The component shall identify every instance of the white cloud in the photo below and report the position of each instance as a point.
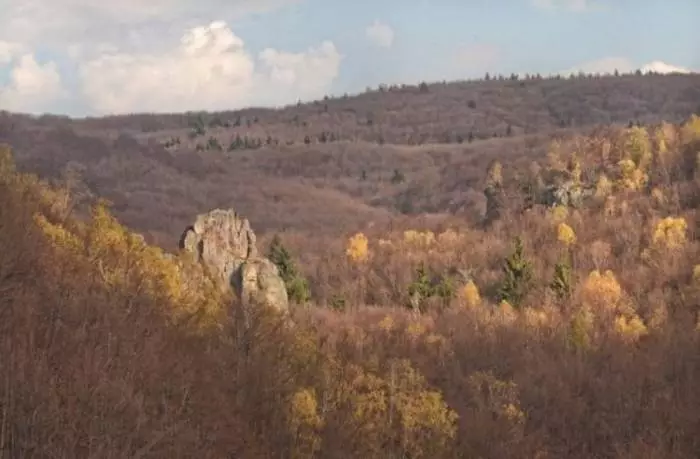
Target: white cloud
(210, 69)
(608, 65)
(8, 51)
(66, 22)
(663, 67)
(379, 34)
(33, 87)
(571, 5)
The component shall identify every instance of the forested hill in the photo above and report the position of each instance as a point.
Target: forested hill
(371, 159)
(520, 296)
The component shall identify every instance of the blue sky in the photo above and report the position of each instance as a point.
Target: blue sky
(126, 56)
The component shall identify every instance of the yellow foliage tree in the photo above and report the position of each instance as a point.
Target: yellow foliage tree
(661, 144)
(419, 238)
(393, 409)
(638, 147)
(670, 233)
(358, 248)
(631, 177)
(566, 234)
(691, 129)
(123, 260)
(630, 327)
(428, 424)
(368, 397)
(304, 424)
(601, 292)
(386, 324)
(470, 295)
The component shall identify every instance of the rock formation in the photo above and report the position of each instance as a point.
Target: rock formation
(223, 241)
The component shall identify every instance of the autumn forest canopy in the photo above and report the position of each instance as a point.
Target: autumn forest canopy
(504, 268)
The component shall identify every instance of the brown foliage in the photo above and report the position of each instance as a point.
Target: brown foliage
(93, 363)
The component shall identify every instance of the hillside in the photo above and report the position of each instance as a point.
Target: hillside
(409, 161)
(441, 112)
(520, 296)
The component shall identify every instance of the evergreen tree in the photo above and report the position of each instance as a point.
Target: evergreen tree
(518, 276)
(297, 286)
(421, 288)
(561, 283)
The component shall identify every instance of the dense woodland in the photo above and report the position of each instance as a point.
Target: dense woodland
(506, 268)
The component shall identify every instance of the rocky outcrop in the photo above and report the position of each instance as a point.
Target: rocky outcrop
(223, 241)
(566, 194)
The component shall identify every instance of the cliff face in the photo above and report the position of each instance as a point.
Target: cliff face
(224, 242)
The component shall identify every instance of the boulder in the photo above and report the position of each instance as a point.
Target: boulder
(223, 241)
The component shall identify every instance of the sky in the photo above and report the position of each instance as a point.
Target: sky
(97, 57)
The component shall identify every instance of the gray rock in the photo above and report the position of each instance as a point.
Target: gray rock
(260, 283)
(567, 194)
(223, 241)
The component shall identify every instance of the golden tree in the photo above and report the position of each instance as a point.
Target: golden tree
(670, 233)
(631, 177)
(691, 129)
(601, 291)
(470, 295)
(630, 327)
(566, 234)
(358, 248)
(305, 423)
(638, 147)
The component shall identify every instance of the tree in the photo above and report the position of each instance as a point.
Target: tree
(421, 288)
(358, 248)
(297, 286)
(398, 177)
(517, 280)
(494, 192)
(561, 283)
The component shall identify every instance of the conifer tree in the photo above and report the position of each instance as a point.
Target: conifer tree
(561, 283)
(297, 286)
(518, 276)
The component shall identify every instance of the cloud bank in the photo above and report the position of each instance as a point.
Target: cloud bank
(209, 69)
(173, 56)
(609, 65)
